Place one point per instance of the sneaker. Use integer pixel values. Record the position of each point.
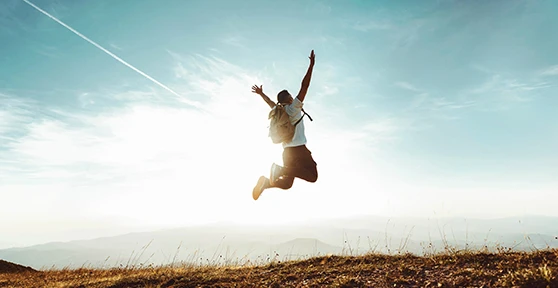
(275, 173)
(259, 188)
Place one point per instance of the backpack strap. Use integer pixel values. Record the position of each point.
(304, 113)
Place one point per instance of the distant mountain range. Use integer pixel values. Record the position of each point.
(225, 243)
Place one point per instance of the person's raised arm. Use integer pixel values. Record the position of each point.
(306, 81)
(259, 91)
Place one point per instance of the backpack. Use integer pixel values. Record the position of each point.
(280, 129)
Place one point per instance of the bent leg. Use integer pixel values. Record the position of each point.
(308, 173)
(284, 182)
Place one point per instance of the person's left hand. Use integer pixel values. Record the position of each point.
(257, 90)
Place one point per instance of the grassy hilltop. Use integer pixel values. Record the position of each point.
(448, 269)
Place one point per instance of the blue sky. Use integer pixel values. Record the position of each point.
(419, 107)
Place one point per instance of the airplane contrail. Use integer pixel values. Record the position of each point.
(195, 104)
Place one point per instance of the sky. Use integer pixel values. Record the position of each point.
(139, 114)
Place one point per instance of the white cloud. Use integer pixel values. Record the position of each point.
(85, 99)
(319, 8)
(7, 119)
(443, 103)
(499, 92)
(550, 71)
(164, 163)
(407, 86)
(328, 90)
(117, 47)
(495, 93)
(235, 40)
(372, 25)
(424, 101)
(47, 51)
(14, 114)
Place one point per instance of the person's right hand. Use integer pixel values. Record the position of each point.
(257, 90)
(312, 57)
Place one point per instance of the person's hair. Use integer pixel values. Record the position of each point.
(283, 96)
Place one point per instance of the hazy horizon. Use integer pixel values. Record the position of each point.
(421, 109)
(227, 242)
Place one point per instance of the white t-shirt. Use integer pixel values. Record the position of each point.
(295, 112)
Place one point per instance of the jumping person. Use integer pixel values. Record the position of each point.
(297, 159)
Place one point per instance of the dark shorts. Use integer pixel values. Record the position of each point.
(298, 156)
(298, 162)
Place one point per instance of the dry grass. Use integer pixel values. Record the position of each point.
(456, 269)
